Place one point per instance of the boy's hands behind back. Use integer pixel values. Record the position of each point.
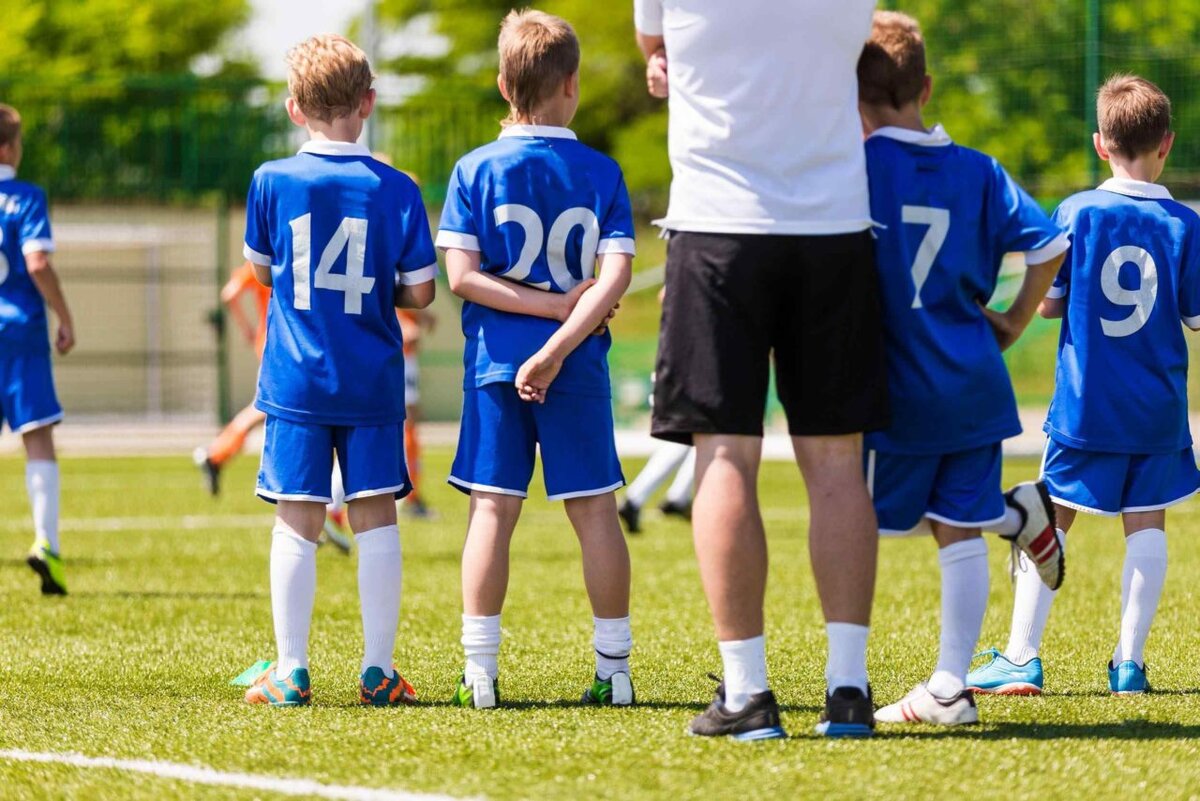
(535, 376)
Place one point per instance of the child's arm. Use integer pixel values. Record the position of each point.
(1011, 323)
(46, 280)
(416, 296)
(536, 374)
(229, 296)
(471, 283)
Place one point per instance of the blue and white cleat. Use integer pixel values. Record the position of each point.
(1128, 679)
(849, 712)
(999, 676)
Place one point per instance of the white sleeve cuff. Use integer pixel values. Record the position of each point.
(37, 246)
(254, 257)
(1057, 292)
(420, 276)
(1192, 322)
(1060, 245)
(647, 17)
(456, 239)
(616, 245)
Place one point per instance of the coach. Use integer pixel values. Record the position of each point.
(770, 253)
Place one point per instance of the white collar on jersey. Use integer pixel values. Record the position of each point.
(1132, 188)
(934, 137)
(541, 131)
(327, 147)
(7, 172)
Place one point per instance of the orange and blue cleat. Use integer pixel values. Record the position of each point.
(292, 690)
(376, 688)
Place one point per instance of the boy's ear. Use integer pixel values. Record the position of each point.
(503, 88)
(571, 89)
(1098, 143)
(926, 89)
(1168, 142)
(368, 104)
(294, 113)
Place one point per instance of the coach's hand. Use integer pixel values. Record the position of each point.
(656, 74)
(65, 339)
(536, 375)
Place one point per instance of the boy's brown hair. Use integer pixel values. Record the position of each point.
(1134, 115)
(891, 69)
(538, 51)
(328, 75)
(10, 125)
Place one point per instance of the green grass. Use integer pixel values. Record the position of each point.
(167, 606)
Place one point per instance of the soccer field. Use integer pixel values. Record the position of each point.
(169, 601)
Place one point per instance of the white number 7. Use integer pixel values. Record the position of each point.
(938, 221)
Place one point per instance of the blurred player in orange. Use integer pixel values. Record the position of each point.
(414, 323)
(229, 442)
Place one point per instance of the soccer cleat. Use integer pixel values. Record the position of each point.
(482, 693)
(616, 690)
(1037, 538)
(292, 690)
(848, 713)
(331, 533)
(922, 706)
(670, 508)
(209, 470)
(49, 567)
(757, 720)
(631, 516)
(1001, 676)
(376, 688)
(1128, 679)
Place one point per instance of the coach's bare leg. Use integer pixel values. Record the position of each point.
(485, 552)
(727, 528)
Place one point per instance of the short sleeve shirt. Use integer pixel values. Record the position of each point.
(24, 229)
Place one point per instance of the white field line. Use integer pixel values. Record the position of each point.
(180, 522)
(201, 775)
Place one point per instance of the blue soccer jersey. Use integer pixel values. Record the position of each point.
(946, 217)
(1131, 276)
(24, 228)
(340, 231)
(539, 207)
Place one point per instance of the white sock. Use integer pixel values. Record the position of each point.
(613, 640)
(1010, 525)
(293, 590)
(481, 644)
(337, 491)
(847, 665)
(664, 461)
(680, 491)
(380, 570)
(1031, 607)
(1141, 587)
(745, 667)
(964, 600)
(41, 482)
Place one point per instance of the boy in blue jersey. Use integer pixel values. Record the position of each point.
(946, 216)
(528, 219)
(1118, 439)
(28, 403)
(342, 239)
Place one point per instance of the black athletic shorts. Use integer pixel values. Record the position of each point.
(734, 300)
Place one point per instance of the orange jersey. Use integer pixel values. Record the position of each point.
(241, 282)
(410, 327)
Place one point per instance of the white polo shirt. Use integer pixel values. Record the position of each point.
(764, 132)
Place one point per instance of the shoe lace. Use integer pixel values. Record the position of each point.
(992, 652)
(1015, 564)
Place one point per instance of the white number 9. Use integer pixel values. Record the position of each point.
(1141, 299)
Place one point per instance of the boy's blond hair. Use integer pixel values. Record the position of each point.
(891, 69)
(10, 125)
(329, 76)
(538, 51)
(1134, 115)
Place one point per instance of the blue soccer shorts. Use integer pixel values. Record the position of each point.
(959, 489)
(500, 434)
(297, 461)
(1112, 483)
(27, 397)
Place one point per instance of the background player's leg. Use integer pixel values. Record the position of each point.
(380, 577)
(1142, 580)
(493, 518)
(679, 494)
(843, 544)
(228, 444)
(294, 580)
(1031, 604)
(606, 573)
(667, 458)
(42, 484)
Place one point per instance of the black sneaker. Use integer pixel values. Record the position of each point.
(210, 471)
(631, 516)
(758, 720)
(848, 713)
(670, 508)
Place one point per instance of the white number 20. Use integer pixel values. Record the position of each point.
(938, 221)
(1141, 299)
(556, 243)
(351, 236)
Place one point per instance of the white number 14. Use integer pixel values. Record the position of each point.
(350, 236)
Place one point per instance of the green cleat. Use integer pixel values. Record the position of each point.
(482, 693)
(617, 690)
(49, 566)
